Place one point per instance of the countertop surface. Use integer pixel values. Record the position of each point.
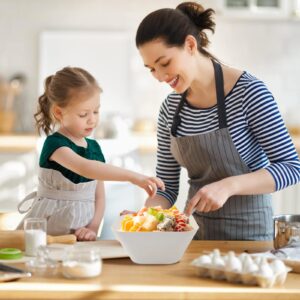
(122, 279)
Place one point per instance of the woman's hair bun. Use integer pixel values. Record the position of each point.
(202, 18)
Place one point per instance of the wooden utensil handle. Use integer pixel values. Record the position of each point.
(62, 239)
(15, 239)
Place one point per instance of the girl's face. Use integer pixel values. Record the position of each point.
(173, 65)
(80, 117)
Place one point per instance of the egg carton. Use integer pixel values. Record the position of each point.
(241, 269)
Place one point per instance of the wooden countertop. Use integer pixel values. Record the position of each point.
(122, 279)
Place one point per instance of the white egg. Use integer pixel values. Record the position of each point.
(216, 253)
(242, 256)
(264, 269)
(278, 266)
(216, 259)
(257, 260)
(249, 265)
(233, 263)
(204, 260)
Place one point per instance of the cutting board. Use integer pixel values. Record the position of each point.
(109, 249)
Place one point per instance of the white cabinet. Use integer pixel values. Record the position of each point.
(266, 9)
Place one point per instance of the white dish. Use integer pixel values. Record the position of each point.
(153, 247)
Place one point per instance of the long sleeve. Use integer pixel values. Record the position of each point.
(266, 124)
(167, 167)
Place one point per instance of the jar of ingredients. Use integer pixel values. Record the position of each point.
(82, 262)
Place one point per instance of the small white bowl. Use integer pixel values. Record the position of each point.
(153, 247)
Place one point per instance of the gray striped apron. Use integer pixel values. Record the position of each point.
(211, 157)
(66, 206)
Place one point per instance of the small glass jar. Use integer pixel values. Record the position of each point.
(82, 262)
(44, 264)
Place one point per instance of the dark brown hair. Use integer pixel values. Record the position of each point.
(174, 25)
(59, 90)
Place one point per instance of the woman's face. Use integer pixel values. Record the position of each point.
(173, 65)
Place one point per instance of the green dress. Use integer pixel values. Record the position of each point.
(57, 140)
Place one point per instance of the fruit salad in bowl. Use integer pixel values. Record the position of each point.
(154, 235)
(156, 219)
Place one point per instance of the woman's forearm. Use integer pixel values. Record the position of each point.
(258, 182)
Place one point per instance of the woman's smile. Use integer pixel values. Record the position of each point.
(173, 82)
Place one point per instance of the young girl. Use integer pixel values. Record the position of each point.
(72, 169)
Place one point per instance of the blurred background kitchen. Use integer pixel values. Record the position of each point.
(38, 37)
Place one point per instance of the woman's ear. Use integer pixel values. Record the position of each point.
(190, 44)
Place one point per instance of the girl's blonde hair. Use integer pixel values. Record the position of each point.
(59, 90)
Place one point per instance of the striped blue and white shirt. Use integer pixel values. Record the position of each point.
(255, 125)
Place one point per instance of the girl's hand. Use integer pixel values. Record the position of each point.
(85, 234)
(210, 197)
(149, 184)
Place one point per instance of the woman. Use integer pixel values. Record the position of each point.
(221, 124)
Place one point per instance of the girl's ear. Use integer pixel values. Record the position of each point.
(56, 112)
(190, 44)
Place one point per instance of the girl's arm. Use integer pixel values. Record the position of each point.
(93, 169)
(89, 232)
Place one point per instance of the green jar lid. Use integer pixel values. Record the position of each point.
(10, 253)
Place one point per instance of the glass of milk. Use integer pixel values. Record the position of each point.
(35, 231)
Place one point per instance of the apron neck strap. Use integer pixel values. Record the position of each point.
(220, 95)
(220, 101)
(176, 118)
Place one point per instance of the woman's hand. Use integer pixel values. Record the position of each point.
(149, 184)
(210, 197)
(127, 212)
(85, 234)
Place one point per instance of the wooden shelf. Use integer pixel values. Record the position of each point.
(17, 143)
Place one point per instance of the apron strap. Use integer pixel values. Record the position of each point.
(220, 101)
(220, 95)
(43, 192)
(177, 119)
(33, 196)
(87, 195)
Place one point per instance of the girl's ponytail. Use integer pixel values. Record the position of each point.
(43, 116)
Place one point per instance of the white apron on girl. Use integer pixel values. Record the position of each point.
(67, 206)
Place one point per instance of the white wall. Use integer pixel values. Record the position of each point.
(269, 49)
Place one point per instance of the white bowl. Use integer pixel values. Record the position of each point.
(153, 247)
